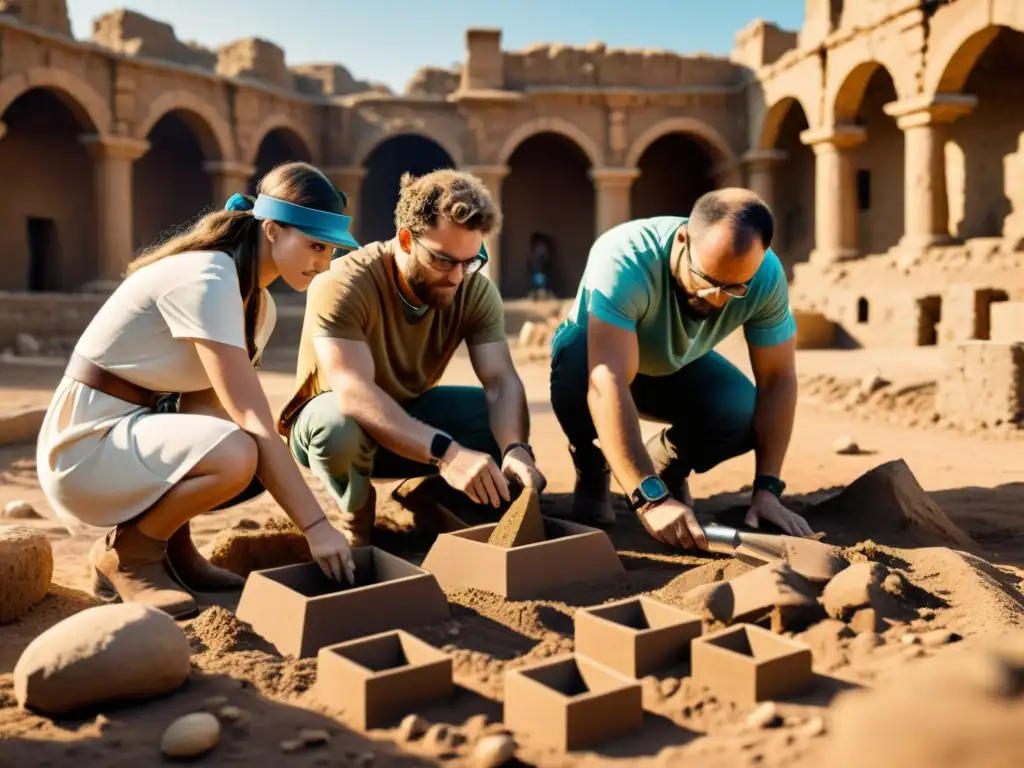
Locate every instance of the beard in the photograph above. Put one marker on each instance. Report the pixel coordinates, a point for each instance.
(433, 294)
(694, 307)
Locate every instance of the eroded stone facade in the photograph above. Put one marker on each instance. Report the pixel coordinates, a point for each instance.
(885, 134)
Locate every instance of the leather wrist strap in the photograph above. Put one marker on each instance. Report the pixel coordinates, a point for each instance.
(313, 524)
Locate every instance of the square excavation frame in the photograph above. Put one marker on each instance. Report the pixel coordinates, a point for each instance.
(380, 678)
(636, 636)
(572, 553)
(299, 610)
(747, 664)
(569, 703)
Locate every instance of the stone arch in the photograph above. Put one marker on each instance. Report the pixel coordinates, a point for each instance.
(774, 118)
(550, 125)
(369, 144)
(84, 102)
(851, 86)
(283, 123)
(791, 180)
(951, 56)
(211, 130)
(697, 128)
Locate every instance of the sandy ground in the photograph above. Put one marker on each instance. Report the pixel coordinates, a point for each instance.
(977, 479)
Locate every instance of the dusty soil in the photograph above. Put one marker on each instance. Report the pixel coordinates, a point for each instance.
(976, 479)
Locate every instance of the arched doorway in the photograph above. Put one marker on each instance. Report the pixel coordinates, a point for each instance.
(793, 201)
(675, 170)
(48, 213)
(984, 154)
(407, 153)
(170, 188)
(277, 147)
(878, 161)
(547, 197)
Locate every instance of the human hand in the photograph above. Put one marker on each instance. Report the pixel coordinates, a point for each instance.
(519, 465)
(673, 523)
(331, 551)
(475, 474)
(766, 506)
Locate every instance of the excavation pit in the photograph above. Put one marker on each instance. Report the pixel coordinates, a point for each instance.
(570, 703)
(378, 679)
(299, 610)
(637, 636)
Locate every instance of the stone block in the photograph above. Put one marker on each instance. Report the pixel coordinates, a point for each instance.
(982, 383)
(1006, 320)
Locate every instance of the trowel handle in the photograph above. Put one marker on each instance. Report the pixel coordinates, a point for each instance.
(721, 538)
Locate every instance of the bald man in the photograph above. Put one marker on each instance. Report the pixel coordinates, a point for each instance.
(655, 299)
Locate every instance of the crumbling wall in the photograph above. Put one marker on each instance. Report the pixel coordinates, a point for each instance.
(433, 81)
(133, 34)
(982, 383)
(51, 15)
(332, 80)
(256, 59)
(761, 43)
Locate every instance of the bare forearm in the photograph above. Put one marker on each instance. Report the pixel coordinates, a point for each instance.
(618, 428)
(386, 421)
(507, 411)
(773, 423)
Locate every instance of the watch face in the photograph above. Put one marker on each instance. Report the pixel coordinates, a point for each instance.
(652, 487)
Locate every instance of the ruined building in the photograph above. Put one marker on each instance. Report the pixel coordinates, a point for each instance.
(886, 135)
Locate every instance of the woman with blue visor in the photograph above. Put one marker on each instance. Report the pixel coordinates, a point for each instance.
(187, 326)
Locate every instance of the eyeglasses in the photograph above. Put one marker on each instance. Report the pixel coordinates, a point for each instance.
(444, 263)
(733, 290)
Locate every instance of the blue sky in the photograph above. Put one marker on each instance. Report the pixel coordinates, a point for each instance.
(387, 40)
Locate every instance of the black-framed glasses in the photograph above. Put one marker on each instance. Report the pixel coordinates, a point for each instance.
(445, 263)
(733, 290)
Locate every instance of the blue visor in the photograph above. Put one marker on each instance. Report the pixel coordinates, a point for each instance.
(326, 227)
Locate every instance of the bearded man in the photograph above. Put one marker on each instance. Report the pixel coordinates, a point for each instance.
(656, 297)
(379, 331)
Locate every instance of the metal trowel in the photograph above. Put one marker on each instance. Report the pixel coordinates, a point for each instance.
(763, 547)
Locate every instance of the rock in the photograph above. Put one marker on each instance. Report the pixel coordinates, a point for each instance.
(288, 746)
(312, 736)
(910, 640)
(765, 716)
(492, 751)
(412, 727)
(230, 713)
(20, 510)
(668, 687)
(939, 637)
(860, 587)
(102, 654)
(845, 446)
(436, 739)
(774, 591)
(26, 567)
(872, 383)
(191, 735)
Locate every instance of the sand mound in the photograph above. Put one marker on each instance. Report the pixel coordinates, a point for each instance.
(242, 551)
(218, 629)
(963, 708)
(521, 524)
(888, 501)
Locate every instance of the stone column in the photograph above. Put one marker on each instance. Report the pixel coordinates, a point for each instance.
(113, 157)
(492, 176)
(925, 200)
(835, 187)
(611, 188)
(761, 165)
(228, 177)
(349, 181)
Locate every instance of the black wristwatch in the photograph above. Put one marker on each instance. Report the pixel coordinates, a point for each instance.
(439, 447)
(769, 483)
(652, 490)
(525, 446)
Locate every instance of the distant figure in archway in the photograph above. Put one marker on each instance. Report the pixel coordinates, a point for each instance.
(541, 255)
(657, 296)
(160, 415)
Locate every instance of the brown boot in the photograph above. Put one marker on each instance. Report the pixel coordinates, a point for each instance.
(128, 565)
(195, 571)
(358, 526)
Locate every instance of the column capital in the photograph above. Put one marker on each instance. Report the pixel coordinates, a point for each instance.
(493, 172)
(613, 177)
(230, 168)
(357, 172)
(833, 136)
(763, 158)
(929, 110)
(108, 145)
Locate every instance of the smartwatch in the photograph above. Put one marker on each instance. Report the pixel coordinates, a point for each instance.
(439, 447)
(769, 483)
(652, 490)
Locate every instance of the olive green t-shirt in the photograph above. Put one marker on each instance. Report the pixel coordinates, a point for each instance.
(358, 299)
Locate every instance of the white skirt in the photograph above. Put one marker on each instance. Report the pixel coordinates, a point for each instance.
(102, 461)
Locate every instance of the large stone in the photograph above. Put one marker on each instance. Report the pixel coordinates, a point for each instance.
(103, 654)
(26, 567)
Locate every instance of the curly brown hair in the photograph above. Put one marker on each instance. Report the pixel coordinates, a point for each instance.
(445, 194)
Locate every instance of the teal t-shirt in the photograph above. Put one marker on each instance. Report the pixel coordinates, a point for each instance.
(627, 282)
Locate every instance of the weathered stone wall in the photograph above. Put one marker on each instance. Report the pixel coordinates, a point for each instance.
(983, 383)
(45, 316)
(133, 34)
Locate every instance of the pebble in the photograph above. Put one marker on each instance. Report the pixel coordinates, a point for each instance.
(230, 713)
(669, 686)
(492, 751)
(291, 745)
(20, 510)
(191, 735)
(310, 736)
(813, 727)
(845, 446)
(765, 716)
(411, 727)
(911, 640)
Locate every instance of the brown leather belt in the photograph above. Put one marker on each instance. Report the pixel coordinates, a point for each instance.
(87, 372)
